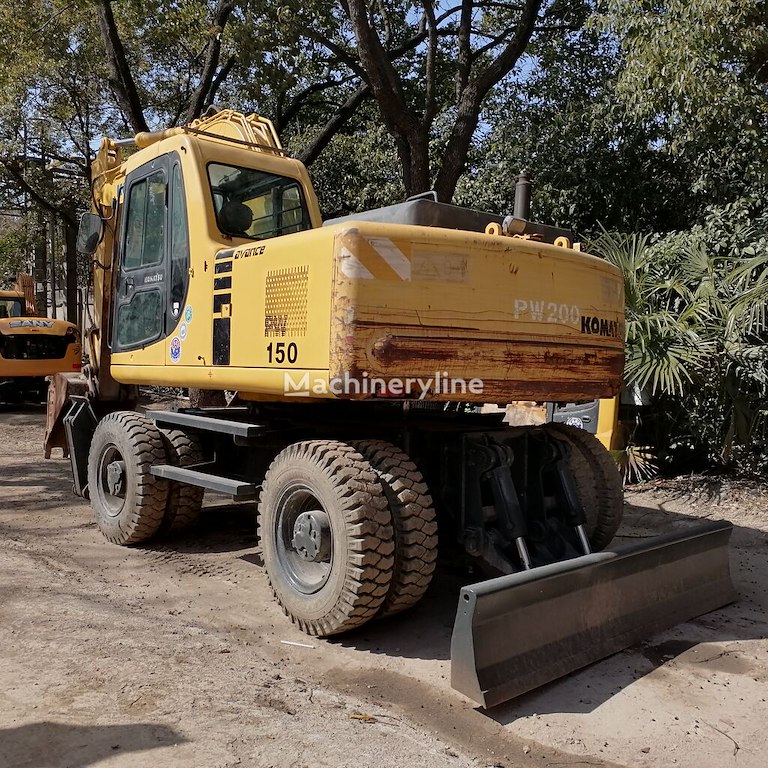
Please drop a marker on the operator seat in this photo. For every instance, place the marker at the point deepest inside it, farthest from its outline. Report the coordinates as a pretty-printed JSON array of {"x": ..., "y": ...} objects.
[{"x": 235, "y": 218}]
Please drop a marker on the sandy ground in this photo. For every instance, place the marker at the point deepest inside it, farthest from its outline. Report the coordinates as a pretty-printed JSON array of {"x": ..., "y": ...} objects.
[{"x": 174, "y": 654}]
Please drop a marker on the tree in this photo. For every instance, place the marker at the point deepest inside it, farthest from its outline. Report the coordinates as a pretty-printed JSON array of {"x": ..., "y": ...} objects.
[
  {"x": 697, "y": 333},
  {"x": 428, "y": 67},
  {"x": 69, "y": 79},
  {"x": 592, "y": 163},
  {"x": 700, "y": 67}
]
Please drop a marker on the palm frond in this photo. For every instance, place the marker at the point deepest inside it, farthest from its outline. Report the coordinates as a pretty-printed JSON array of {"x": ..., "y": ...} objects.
[{"x": 636, "y": 463}]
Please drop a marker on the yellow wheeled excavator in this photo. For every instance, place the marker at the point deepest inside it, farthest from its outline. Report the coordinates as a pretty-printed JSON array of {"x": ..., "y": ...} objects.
[{"x": 362, "y": 349}]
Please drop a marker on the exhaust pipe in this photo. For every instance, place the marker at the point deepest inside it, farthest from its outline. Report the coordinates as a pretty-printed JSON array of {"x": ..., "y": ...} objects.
[{"x": 522, "y": 209}]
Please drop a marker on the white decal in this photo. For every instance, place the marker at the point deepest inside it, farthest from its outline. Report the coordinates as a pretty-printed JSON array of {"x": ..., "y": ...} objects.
[
  {"x": 352, "y": 267},
  {"x": 542, "y": 311},
  {"x": 392, "y": 255}
]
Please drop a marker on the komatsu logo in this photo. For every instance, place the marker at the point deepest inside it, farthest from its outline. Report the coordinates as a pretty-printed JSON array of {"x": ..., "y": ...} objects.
[
  {"x": 158, "y": 277},
  {"x": 31, "y": 324},
  {"x": 598, "y": 326}
]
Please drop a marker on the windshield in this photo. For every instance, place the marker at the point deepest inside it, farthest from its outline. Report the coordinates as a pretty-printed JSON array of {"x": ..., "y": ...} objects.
[
  {"x": 256, "y": 204},
  {"x": 11, "y": 308}
]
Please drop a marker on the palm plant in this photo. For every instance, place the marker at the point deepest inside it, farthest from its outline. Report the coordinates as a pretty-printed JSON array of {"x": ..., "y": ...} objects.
[
  {"x": 696, "y": 331},
  {"x": 665, "y": 343}
]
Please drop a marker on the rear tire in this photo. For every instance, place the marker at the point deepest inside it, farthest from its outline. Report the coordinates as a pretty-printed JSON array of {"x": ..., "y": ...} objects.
[
  {"x": 184, "y": 501},
  {"x": 598, "y": 482},
  {"x": 414, "y": 520},
  {"x": 128, "y": 501},
  {"x": 326, "y": 536}
]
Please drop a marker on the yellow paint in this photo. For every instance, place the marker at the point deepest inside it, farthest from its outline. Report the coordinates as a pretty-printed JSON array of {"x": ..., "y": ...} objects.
[{"x": 608, "y": 432}]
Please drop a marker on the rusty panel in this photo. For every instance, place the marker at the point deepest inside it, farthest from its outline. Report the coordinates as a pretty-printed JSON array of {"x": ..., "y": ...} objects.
[
  {"x": 61, "y": 387},
  {"x": 510, "y": 370},
  {"x": 533, "y": 321}
]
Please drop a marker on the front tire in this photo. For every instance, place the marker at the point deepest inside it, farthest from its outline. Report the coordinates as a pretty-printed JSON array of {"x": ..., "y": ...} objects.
[
  {"x": 326, "y": 536},
  {"x": 128, "y": 501}
]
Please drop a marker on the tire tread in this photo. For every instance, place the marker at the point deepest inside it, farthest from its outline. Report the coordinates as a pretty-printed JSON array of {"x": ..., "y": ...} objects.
[
  {"x": 599, "y": 483},
  {"x": 151, "y": 493},
  {"x": 369, "y": 559},
  {"x": 414, "y": 520}
]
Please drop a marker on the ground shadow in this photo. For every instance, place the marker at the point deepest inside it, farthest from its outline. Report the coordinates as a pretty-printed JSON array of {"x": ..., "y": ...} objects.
[
  {"x": 220, "y": 528},
  {"x": 423, "y": 632},
  {"x": 37, "y": 483},
  {"x": 61, "y": 745},
  {"x": 21, "y": 413}
]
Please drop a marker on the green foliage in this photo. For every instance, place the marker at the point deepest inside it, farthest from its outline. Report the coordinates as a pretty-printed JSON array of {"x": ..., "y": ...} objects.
[
  {"x": 696, "y": 332},
  {"x": 591, "y": 161},
  {"x": 636, "y": 463},
  {"x": 356, "y": 172},
  {"x": 701, "y": 68},
  {"x": 16, "y": 240}
]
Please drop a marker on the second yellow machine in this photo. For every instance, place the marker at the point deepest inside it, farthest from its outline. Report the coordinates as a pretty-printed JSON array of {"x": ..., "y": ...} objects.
[
  {"x": 32, "y": 347},
  {"x": 363, "y": 348}
]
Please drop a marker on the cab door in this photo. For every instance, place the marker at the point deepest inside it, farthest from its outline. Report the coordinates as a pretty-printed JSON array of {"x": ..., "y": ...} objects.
[{"x": 141, "y": 295}]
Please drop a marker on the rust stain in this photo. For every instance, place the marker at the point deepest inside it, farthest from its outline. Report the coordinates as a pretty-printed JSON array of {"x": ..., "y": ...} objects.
[
  {"x": 510, "y": 370},
  {"x": 388, "y": 352}
]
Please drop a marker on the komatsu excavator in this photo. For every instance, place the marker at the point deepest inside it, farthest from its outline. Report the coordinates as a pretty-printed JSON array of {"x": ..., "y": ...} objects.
[{"x": 362, "y": 349}]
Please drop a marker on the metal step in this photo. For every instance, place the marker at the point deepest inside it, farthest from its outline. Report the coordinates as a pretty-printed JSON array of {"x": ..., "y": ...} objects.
[
  {"x": 515, "y": 633},
  {"x": 194, "y": 420},
  {"x": 240, "y": 489}
]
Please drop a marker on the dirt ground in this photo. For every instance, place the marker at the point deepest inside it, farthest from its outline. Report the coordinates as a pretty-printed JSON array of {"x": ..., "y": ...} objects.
[{"x": 174, "y": 655}]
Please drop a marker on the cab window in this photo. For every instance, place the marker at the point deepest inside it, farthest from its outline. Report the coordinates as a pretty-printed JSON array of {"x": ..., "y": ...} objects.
[
  {"x": 255, "y": 204},
  {"x": 11, "y": 308},
  {"x": 145, "y": 230},
  {"x": 179, "y": 243}
]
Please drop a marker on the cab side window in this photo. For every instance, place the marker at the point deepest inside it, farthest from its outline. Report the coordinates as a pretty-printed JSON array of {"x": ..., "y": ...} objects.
[
  {"x": 145, "y": 231},
  {"x": 179, "y": 245},
  {"x": 141, "y": 283}
]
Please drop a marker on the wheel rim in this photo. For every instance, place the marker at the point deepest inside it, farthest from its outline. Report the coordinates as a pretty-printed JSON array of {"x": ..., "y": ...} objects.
[
  {"x": 112, "y": 480},
  {"x": 303, "y": 538}
]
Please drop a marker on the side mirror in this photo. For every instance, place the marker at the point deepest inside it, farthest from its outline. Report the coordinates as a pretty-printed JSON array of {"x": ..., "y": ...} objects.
[{"x": 89, "y": 233}]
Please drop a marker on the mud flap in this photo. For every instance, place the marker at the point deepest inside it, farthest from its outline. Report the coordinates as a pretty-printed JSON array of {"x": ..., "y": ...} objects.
[{"x": 515, "y": 633}]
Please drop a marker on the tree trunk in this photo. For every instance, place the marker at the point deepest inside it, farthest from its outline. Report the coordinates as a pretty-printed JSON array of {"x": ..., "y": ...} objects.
[
  {"x": 455, "y": 155},
  {"x": 120, "y": 76},
  {"x": 40, "y": 271},
  {"x": 52, "y": 259},
  {"x": 70, "y": 261},
  {"x": 413, "y": 151},
  {"x": 202, "y": 93}
]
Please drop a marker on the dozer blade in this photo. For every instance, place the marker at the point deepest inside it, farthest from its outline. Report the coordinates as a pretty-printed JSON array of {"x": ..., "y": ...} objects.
[{"x": 515, "y": 633}]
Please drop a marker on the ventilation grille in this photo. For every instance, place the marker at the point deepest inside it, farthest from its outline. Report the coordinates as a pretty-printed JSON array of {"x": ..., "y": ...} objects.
[{"x": 285, "y": 302}]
